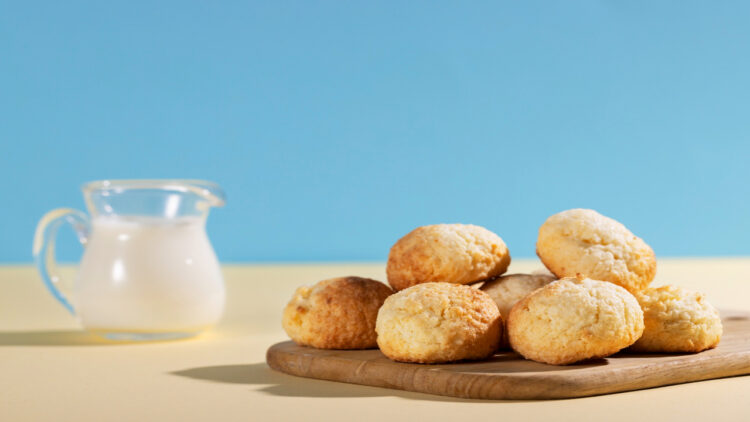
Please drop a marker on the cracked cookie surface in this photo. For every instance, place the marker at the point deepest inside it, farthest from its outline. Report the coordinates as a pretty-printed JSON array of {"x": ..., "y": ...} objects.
[
  {"x": 570, "y": 320},
  {"x": 582, "y": 242},
  {"x": 453, "y": 253},
  {"x": 438, "y": 322},
  {"x": 509, "y": 289},
  {"x": 677, "y": 320},
  {"x": 338, "y": 313}
]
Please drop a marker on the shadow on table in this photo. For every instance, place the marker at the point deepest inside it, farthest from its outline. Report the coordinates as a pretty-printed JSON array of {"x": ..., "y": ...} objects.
[{"x": 278, "y": 384}]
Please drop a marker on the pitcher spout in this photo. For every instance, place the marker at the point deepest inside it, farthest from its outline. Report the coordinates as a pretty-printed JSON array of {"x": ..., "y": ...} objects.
[{"x": 212, "y": 193}]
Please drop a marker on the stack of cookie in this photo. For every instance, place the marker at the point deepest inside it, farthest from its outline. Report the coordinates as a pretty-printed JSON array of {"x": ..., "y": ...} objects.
[{"x": 452, "y": 301}]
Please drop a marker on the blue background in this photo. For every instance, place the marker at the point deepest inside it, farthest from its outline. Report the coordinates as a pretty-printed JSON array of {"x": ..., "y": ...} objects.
[{"x": 337, "y": 127}]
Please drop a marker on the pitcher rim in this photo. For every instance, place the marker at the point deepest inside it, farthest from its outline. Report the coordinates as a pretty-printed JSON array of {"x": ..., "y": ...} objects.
[{"x": 205, "y": 188}]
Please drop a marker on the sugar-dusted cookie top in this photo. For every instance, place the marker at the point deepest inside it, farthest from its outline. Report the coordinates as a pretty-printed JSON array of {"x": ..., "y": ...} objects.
[
  {"x": 570, "y": 320},
  {"x": 581, "y": 242},
  {"x": 677, "y": 320},
  {"x": 452, "y": 253},
  {"x": 438, "y": 322}
]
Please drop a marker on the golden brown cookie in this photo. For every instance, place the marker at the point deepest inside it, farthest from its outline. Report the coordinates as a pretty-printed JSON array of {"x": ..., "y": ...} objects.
[
  {"x": 570, "y": 320},
  {"x": 453, "y": 253},
  {"x": 507, "y": 290},
  {"x": 583, "y": 242},
  {"x": 438, "y": 322},
  {"x": 339, "y": 313},
  {"x": 677, "y": 320}
]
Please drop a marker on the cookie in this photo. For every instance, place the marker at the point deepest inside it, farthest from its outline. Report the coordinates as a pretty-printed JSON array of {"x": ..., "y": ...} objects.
[
  {"x": 339, "y": 313},
  {"x": 453, "y": 253},
  {"x": 507, "y": 290},
  {"x": 677, "y": 320},
  {"x": 582, "y": 242},
  {"x": 571, "y": 320},
  {"x": 438, "y": 322}
]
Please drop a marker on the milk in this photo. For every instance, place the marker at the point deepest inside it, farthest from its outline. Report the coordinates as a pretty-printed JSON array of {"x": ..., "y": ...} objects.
[{"x": 142, "y": 275}]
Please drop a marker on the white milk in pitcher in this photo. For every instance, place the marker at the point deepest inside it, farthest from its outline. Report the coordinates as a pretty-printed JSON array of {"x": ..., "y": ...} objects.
[{"x": 141, "y": 275}]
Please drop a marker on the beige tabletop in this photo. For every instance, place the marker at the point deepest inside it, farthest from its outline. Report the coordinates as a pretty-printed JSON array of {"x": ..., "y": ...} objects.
[{"x": 50, "y": 370}]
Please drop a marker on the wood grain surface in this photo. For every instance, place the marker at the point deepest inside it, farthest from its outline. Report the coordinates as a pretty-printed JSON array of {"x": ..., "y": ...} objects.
[{"x": 508, "y": 376}]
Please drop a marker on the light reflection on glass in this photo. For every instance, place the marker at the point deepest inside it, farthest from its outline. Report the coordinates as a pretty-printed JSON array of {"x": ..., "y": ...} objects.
[
  {"x": 172, "y": 206},
  {"x": 118, "y": 271}
]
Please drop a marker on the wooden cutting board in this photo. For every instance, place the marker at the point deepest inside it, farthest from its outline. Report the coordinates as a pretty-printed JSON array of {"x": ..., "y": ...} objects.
[{"x": 508, "y": 376}]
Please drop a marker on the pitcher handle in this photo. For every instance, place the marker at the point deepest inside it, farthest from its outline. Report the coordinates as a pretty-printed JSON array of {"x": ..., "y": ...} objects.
[{"x": 44, "y": 247}]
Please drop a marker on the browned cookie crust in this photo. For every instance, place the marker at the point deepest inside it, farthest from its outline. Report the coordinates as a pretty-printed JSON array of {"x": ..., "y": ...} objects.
[
  {"x": 339, "y": 313},
  {"x": 452, "y": 253}
]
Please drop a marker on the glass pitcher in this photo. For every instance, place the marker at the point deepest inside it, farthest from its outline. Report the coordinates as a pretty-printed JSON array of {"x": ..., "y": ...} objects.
[{"x": 148, "y": 270}]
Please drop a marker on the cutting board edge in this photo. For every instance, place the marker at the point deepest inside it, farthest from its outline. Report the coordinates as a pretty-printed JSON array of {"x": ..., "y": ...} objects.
[{"x": 529, "y": 386}]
